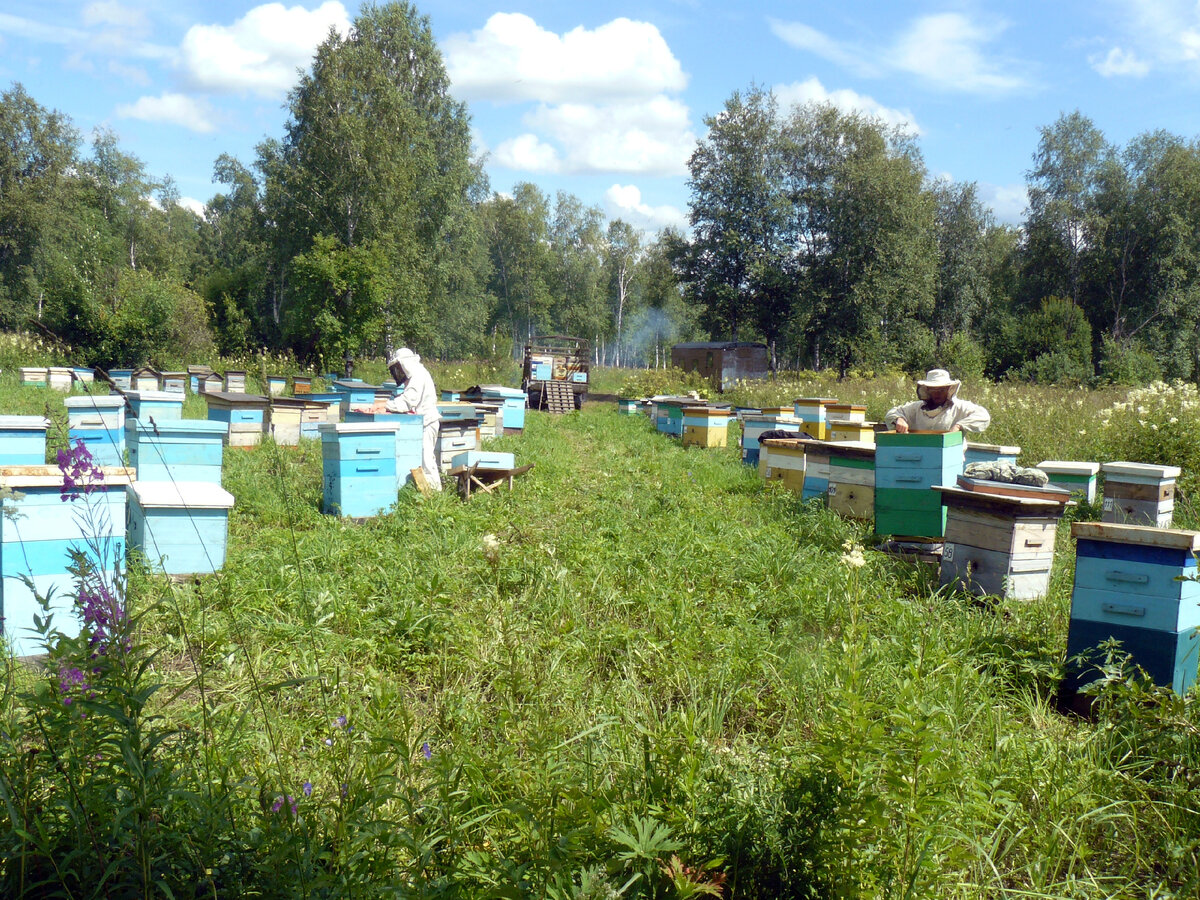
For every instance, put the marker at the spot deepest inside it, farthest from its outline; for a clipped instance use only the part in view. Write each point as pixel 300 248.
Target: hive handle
pixel 368 450
pixel 1121 610
pixel 1127 577
pixel 908 457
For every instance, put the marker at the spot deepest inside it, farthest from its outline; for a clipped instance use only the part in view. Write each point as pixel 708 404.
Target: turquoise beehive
pixel 176 450
pixel 180 528
pixel 98 421
pixel 23 440
pixel 157 405
pixel 359 468
pixel 408 439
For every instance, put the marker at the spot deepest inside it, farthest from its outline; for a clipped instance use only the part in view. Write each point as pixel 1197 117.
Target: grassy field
pixel 641 673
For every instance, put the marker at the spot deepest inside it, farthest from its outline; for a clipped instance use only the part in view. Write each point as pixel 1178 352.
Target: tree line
pixel 368 224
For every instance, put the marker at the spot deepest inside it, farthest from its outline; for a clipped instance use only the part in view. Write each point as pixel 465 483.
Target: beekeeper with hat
pixel 938 408
pixel 419 396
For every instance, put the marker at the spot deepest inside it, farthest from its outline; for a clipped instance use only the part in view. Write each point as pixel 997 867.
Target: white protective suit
pixel 968 416
pixel 419 396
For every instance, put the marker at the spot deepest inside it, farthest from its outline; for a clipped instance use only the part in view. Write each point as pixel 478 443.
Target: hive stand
pixel 479 478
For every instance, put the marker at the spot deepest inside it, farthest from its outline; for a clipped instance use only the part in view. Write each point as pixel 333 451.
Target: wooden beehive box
pixel 359 465
pixel 235 381
pixel 84 375
pixel 816 469
pixel 907 466
pixel 997 545
pixel 845 412
pixel 146 378
pixel 121 378
pixel 211 383
pixel 628 406
pixel 37 537
pixel 1135 584
pixel 454 437
pixel 23 440
pixel 785 462
pixel 180 528
pixel 291 418
pixel 755 425
pixel 706 426
pixel 301 384
pixel 98 421
pixel 841 431
pixel 245 416
pixel 1073 476
pixel 175 382
pixel 195 375
pixel 276 385
pixel 176 450
pixel 814 413
pixel 157 405
pixel 851 490
pixel 976 452
pixel 60 378
pixel 1139 494
pixel 514 400
pixel 484 459
pixel 34 376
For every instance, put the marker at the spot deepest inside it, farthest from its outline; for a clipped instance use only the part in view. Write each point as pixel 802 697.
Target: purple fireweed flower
pixel 103 615
pixel 426 752
pixel 80 474
pixel 72 683
pixel 307 788
pixel 340 722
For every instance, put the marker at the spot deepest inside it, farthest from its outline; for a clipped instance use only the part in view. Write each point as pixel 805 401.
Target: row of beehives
pixel 169 504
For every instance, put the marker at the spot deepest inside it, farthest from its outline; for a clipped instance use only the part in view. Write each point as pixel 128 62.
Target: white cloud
pixel 1008 201
pixel 527 153
pixel 110 12
pixel 261 51
pixel 512 58
pixel 812 91
pixel 131 74
pixel 36 31
pixel 173 109
pixel 624 201
pixel 1119 62
pixel 946 50
pixel 193 204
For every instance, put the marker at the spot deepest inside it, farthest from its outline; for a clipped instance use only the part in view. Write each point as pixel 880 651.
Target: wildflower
pixel 853 557
pixel 307 788
pixel 425 751
pixel 491 547
pixel 339 722
pixel 80 474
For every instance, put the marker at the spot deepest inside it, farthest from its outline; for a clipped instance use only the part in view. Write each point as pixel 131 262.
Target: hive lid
pixel 1002 449
pixel 155 395
pixel 824 401
pixel 233 397
pixel 95 401
pixel 51 476
pixel 1143 470
pixel 176 426
pixel 182 494
pixel 24 423
pixel 1145 535
pixel 1067 467
pixel 338 428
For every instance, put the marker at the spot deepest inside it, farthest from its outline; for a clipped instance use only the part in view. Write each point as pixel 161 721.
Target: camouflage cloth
pixel 1007 473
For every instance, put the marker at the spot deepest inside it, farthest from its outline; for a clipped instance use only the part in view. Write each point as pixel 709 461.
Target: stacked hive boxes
pixel 157 405
pixel 813 413
pixel 851 489
pixel 1135 584
pixel 1001 546
pixel 359 463
pixel 291 418
pixel 244 415
pixel 456 436
pixel 514 401
pixel 705 426
pixel 38 534
pixel 755 425
pixel 816 469
pixel 100 423
pixel 408 439
pixel 1139 493
pixel 669 415
pixel 34 376
pixel 23 440
pixel 1076 477
pixel 175 450
pixel 784 461
pixel 625 406
pixel 354 394
pixel 907 466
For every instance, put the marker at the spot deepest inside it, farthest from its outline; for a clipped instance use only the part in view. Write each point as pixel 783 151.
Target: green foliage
pixel 1050 346
pixel 1158 424
pixel 1129 365
pixel 964 357
pixel 671 380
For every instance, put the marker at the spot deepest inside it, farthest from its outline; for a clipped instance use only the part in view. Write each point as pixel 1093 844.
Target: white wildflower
pixel 491 547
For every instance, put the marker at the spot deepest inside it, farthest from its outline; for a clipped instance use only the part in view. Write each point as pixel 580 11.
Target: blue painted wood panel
pixel 1168 657
pixel 179 541
pixel 1133 610
pixel 1158 556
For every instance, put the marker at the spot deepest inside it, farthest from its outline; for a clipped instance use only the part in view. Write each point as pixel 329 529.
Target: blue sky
pixel 607 99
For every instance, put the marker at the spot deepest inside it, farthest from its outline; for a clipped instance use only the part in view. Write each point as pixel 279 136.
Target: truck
pixel 555 372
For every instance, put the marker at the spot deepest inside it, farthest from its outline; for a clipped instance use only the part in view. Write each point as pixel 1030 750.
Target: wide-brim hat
pixel 936 378
pixel 403 358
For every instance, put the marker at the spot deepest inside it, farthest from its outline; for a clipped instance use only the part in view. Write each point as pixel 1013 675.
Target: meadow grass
pixel 641 652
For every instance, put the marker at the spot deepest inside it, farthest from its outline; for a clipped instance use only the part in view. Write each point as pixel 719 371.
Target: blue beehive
pixel 176 450
pixel 158 405
pixel 122 378
pixel 458 412
pixel 359 463
pixel 23 440
pixel 38 540
pixel 355 393
pixel 408 439
pixel 755 425
pixel 450 396
pixel 245 416
pixel 991 453
pixel 907 466
pixel 1136 584
pixel 514 401
pixel 180 528
pixel 98 421
pixel 483 459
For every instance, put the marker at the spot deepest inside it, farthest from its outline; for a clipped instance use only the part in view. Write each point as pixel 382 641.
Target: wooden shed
pixel 722 362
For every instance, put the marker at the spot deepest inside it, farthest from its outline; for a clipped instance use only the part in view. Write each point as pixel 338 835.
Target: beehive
pixel 1076 477
pixel 37 541
pixel 409 429
pixel 301 384
pixel 785 462
pixel 34 376
pixel 907 466
pixel 122 378
pixel 180 528
pixel 851 490
pixel 211 383
pixel 334 402
pixel 60 377
pixel 23 440
pixel 514 400
pixel 448 396
pixel 176 450
pixel 1139 494
pixel 841 431
pixel 276 385
pixel 145 379
pixel 484 459
pixel 355 393
pixel 245 416
pixel 997 545
pixel 628 406
pixel 990 453
pixel 813 412
pixel 669 418
pixel 291 418
pixel 235 381
pixel 845 412
pixel 359 465
pixel 157 405
pixel 491 418
pixel 457 411
pixel 195 374
pixel 175 382
pixel 1135 584
pixel 455 436
pixel 98 421
pixel 84 375
pixel 754 425
pixel 816 469
pixel 705 426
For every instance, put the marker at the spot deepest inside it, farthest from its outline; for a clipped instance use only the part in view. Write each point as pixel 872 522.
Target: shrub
pixel 964 357
pixel 671 380
pixel 1127 364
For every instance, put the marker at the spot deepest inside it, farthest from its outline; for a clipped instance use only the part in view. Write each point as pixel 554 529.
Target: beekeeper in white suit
pixel 419 396
pixel 938 408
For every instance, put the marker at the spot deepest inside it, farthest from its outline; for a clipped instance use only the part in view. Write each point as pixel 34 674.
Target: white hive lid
pixel 182 494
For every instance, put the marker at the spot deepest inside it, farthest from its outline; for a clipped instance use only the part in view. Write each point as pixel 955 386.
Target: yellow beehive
pixel 846 430
pixel 785 462
pixel 706 426
pixel 845 412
